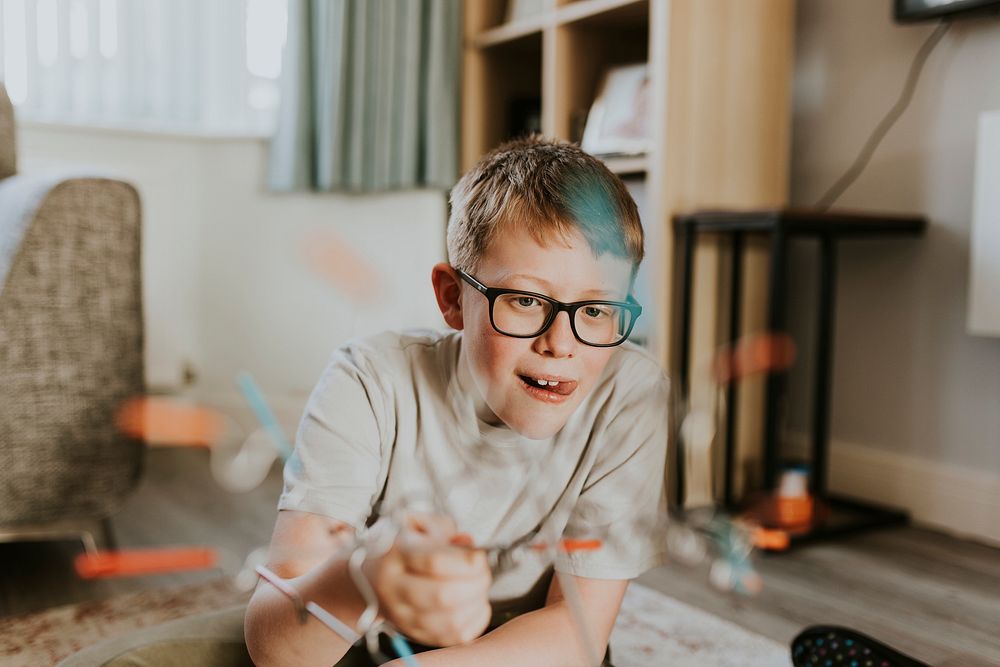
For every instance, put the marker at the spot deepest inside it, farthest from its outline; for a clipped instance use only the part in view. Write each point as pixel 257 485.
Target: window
pixel 190 65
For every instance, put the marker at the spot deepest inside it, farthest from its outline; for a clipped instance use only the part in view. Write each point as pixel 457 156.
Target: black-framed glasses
pixel 521 314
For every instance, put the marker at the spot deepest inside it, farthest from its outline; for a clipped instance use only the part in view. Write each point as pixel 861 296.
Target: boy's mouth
pixel 548 388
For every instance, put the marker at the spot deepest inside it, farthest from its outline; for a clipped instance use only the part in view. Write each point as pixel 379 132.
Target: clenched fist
pixel 431 589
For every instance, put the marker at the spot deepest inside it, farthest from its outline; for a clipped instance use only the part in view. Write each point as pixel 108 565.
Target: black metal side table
pixel 780 226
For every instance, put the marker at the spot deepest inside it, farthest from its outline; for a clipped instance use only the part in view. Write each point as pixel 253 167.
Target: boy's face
pixel 502 367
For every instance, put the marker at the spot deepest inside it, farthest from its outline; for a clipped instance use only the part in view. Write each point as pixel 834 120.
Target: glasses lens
pixel 603 323
pixel 520 314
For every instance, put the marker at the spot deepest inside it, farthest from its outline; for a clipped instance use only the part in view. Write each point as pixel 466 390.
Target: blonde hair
pixel 545 187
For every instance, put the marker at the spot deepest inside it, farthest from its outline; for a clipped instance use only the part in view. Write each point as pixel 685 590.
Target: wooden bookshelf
pixel 720 77
pixel 510 32
pixel 603 12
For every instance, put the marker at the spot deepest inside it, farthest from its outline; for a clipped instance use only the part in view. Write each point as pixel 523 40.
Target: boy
pixel 543 243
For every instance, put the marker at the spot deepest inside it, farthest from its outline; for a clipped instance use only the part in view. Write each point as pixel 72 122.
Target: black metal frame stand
pixel 780 226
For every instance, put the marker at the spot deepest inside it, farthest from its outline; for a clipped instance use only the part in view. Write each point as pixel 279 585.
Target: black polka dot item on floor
pixel 834 646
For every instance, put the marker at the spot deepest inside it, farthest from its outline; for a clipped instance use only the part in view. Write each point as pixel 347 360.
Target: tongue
pixel 562 388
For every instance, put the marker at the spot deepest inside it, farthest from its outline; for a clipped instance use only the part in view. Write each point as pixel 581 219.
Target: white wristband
pixel 329 620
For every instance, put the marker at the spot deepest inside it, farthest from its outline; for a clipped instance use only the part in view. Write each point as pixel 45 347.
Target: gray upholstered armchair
pixel 70 347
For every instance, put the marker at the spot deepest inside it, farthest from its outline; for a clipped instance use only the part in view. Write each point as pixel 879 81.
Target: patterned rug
pixel 655 630
pixel 652 629
pixel 46 637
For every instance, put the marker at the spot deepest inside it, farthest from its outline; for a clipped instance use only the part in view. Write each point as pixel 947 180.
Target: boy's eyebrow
pixel 546 287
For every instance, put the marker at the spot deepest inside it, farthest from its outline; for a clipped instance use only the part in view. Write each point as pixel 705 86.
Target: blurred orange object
pixel 142 562
pixel 333 258
pixel 759 353
pixel 794 512
pixel 164 421
pixel 771 539
pixel 795 515
pixel 580 545
pixel 571 545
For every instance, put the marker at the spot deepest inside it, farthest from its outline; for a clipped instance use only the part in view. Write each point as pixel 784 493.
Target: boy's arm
pixel 435 593
pixel 547 637
pixel 274 635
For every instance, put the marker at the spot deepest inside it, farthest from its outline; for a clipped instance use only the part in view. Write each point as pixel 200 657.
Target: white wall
pixel 909 380
pixel 226 286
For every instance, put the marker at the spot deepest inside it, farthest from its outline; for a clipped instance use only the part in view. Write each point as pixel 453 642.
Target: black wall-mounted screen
pixel 928 10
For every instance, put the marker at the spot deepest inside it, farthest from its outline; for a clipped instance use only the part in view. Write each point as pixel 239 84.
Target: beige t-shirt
pixel 394 416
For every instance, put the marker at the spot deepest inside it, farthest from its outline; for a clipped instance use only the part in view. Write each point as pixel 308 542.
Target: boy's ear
pixel 448 291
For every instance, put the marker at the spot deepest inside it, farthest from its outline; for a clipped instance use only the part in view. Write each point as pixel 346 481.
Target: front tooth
pixel 542 382
pixel 553 383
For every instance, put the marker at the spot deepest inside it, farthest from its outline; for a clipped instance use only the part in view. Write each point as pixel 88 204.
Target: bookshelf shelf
pixel 510 32
pixel 603 11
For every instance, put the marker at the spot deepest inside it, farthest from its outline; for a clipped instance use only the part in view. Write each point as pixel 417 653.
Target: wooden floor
pixel 930 596
pixel 934 597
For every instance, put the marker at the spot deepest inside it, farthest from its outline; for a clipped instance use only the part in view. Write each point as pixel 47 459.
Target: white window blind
pixel 187 65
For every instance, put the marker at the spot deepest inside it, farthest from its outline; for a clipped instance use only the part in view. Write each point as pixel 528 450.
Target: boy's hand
pixel 434 592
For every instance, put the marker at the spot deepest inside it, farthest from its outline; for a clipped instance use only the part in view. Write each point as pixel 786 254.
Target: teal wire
pixel 403 649
pixel 264 415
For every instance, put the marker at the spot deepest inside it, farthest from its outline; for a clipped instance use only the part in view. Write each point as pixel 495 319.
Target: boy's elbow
pixel 255 633
pixel 273 637
pixel 263 636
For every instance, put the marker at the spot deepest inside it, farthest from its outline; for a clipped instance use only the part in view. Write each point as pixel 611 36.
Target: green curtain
pixel 369 96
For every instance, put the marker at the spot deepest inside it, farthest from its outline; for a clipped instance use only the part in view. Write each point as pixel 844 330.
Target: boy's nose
pixel 558 340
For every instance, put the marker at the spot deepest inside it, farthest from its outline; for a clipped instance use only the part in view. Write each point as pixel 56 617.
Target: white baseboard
pixel 959 501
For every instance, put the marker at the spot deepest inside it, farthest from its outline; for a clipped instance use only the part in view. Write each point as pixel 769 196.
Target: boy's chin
pixel 537 429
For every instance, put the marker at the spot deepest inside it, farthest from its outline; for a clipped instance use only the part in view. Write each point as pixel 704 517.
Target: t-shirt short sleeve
pixel 623 501
pixel 335 469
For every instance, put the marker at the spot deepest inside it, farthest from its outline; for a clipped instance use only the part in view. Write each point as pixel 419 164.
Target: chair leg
pixel 97 535
pixel 94 533
pixel 110 542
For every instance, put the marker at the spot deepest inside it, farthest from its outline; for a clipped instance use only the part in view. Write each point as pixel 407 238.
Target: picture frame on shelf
pixel 618 121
